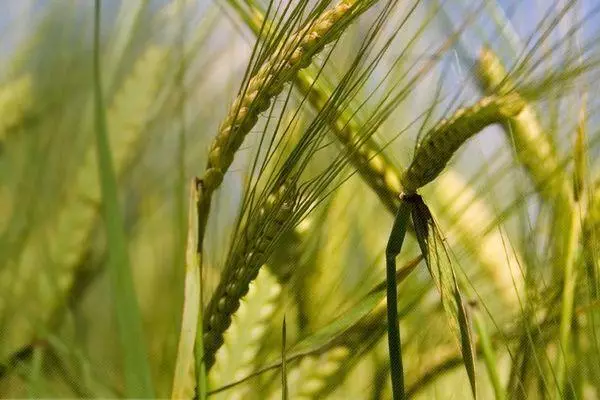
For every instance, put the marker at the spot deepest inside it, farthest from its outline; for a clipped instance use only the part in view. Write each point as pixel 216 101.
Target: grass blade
pixel 129 322
pixel 184 381
pixel 489 356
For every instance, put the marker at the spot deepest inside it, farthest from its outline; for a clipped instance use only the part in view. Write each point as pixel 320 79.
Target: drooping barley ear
pixel 39 280
pixel 261 235
pixel 16 101
pixel 467 214
pixel 235 358
pixel 444 139
pixel 280 68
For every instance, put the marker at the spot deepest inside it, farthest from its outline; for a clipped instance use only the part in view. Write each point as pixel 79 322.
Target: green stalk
pixel 393 248
pixel 489 355
pixel 129 322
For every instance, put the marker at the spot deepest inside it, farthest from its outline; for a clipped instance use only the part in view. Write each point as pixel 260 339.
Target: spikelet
pixel 467 216
pixel 234 360
pixel 291 56
pixel 16 101
pixel 444 139
pixel 256 243
pixel 37 283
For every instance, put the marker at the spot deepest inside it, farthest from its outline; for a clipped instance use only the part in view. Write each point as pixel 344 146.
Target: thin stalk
pixel 129 322
pixel 489 356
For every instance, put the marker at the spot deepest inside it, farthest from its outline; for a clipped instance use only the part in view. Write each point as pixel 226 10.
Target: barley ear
pixel 441 142
pixel 251 252
pixel 280 68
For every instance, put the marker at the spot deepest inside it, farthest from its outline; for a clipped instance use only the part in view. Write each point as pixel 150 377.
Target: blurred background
pixel 170 72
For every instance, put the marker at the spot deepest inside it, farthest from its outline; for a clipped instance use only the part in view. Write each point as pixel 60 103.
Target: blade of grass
pixel 129 322
pixel 284 385
pixel 184 381
pixel 489 356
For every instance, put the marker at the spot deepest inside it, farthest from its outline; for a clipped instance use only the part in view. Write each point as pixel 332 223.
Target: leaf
pixel 129 321
pixel 184 380
pixel 441 270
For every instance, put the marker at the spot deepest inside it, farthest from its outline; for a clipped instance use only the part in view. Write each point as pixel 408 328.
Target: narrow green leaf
pixel 489 356
pixel 441 270
pixel 184 381
pixel 129 322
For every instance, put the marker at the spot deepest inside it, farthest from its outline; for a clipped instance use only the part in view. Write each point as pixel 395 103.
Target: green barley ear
pixel 241 342
pixel 33 294
pixel 281 66
pixel 377 170
pixel 260 237
pixel 441 142
pixel 16 101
